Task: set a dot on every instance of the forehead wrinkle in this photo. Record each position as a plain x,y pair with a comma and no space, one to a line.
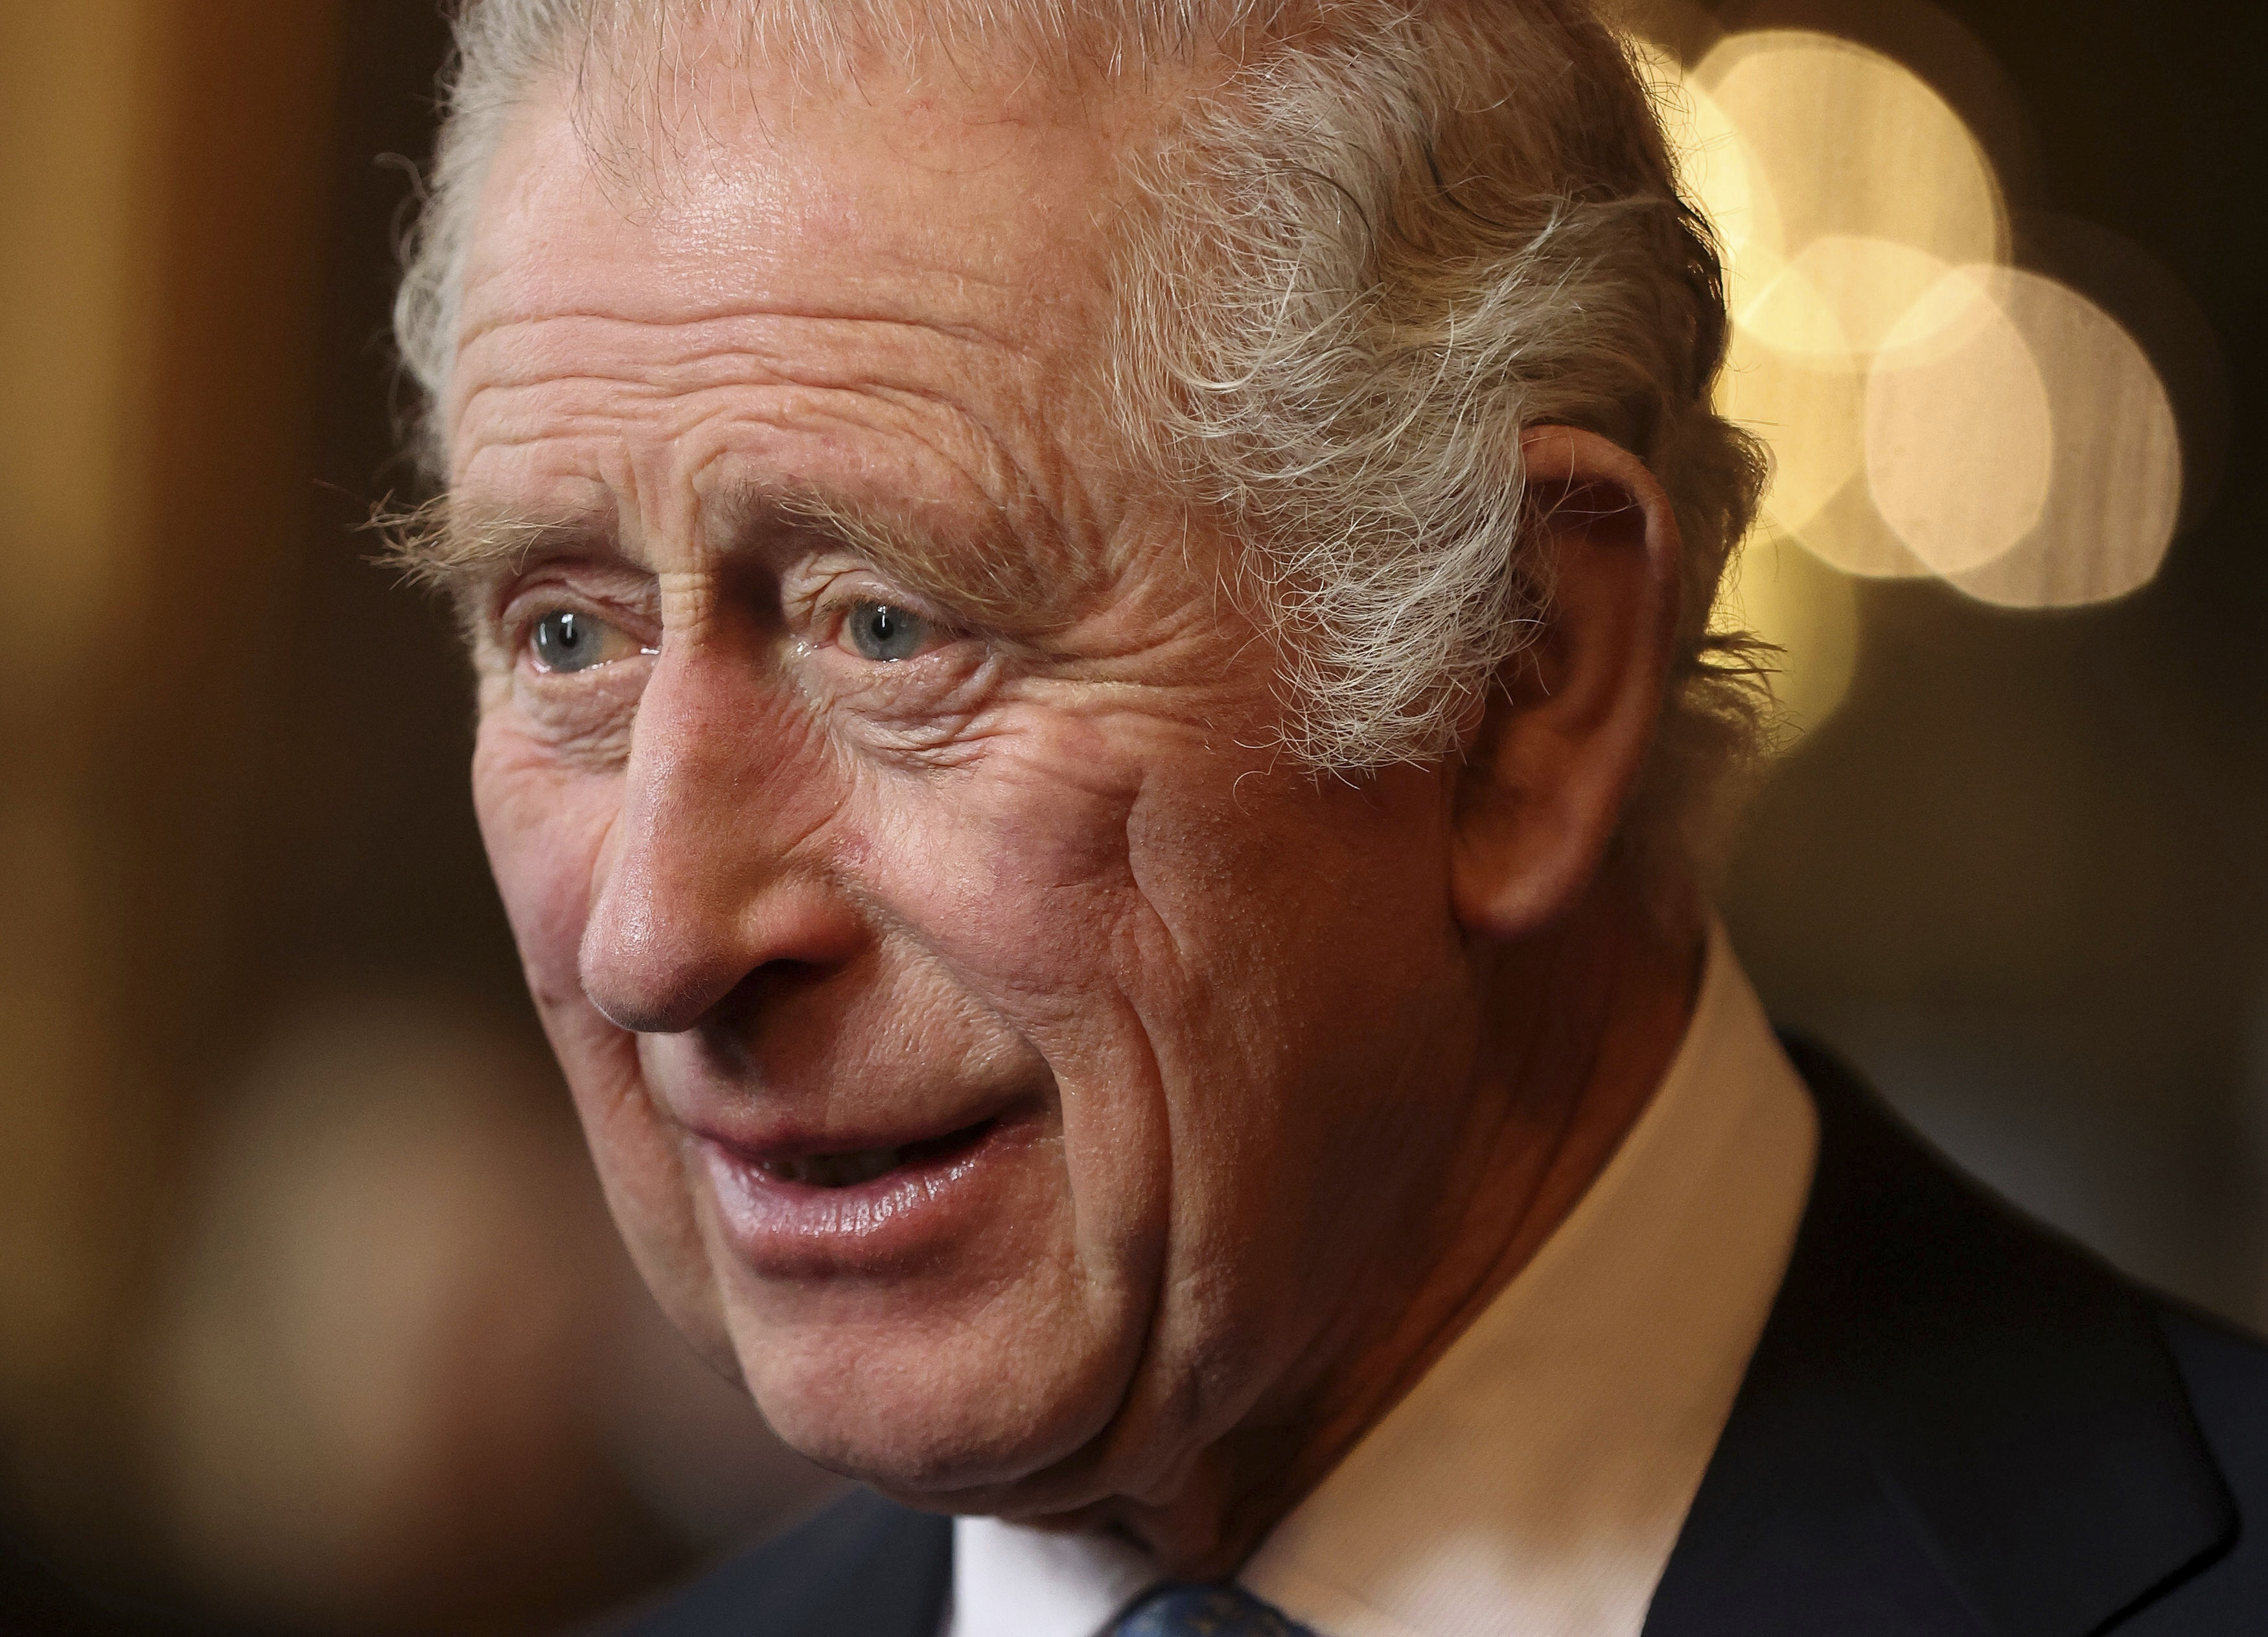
1015,543
780,349
730,325
1017,569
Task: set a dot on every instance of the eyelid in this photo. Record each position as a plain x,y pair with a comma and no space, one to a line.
835,618
625,645
529,606
819,596
522,602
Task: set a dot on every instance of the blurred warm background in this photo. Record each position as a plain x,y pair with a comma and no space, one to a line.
310,1318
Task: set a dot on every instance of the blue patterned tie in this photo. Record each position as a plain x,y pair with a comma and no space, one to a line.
1172,1610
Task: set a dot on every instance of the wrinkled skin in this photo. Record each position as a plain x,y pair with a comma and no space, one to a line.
1208,1055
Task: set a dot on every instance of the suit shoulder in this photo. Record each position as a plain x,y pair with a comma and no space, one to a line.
863,1567
2225,1370
1955,1403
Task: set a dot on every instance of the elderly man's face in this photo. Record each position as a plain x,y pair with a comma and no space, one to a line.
989,1048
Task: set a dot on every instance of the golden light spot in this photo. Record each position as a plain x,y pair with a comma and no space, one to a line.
1839,300
1854,144
1811,418
1790,598
2115,467
1716,165
1960,434
1850,534
1928,410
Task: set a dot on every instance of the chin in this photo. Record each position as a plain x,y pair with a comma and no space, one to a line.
936,1414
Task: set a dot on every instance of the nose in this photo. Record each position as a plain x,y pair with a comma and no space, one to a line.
714,871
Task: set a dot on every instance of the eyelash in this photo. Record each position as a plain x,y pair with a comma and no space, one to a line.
825,613
527,606
921,702
827,608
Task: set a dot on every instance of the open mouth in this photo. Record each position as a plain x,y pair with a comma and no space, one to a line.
852,1166
792,1208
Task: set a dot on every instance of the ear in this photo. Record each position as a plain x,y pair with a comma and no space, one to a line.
1565,730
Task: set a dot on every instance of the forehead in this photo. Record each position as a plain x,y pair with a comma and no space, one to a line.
883,177
750,210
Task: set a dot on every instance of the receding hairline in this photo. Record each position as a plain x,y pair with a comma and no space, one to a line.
646,62
979,42
1127,72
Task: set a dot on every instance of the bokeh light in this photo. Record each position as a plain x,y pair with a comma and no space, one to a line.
372,1376
408,1381
2116,457
1852,144
1931,408
1809,612
1960,430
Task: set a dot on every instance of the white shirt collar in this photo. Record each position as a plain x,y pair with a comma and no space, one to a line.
1533,1483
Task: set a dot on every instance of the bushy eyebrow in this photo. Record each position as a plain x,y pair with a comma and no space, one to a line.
447,546
987,570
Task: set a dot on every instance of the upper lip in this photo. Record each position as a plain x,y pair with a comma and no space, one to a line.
773,1141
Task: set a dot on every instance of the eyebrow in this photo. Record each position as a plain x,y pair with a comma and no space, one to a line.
445,545
984,568
993,573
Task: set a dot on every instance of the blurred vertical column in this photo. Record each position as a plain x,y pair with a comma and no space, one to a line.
162,164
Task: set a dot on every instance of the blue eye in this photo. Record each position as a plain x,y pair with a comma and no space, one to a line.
566,641
884,631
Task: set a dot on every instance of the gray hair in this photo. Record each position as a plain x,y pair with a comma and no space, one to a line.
1383,240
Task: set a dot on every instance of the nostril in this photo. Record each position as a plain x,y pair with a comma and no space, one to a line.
646,1002
641,1015
764,989
699,886
651,982
652,975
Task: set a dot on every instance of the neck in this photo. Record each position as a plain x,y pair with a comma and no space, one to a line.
1579,1027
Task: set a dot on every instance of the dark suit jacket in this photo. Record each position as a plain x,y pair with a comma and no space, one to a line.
1956,1425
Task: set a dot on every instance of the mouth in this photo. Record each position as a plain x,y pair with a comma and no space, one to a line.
795,1205
850,1168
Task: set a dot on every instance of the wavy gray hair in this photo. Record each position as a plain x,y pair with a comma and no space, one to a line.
1381,240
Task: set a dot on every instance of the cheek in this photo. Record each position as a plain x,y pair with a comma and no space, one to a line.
545,825
1202,971
1018,881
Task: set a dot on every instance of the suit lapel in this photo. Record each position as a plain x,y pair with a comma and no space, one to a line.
1953,1423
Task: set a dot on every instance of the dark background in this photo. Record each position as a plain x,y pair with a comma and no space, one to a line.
2021,877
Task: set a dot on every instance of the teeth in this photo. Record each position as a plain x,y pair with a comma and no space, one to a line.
836,1171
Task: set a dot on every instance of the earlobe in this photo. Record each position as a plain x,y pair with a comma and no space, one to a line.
1567,727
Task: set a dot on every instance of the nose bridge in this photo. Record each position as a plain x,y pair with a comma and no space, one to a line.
710,872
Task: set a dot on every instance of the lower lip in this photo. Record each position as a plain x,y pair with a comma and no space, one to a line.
787,1229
